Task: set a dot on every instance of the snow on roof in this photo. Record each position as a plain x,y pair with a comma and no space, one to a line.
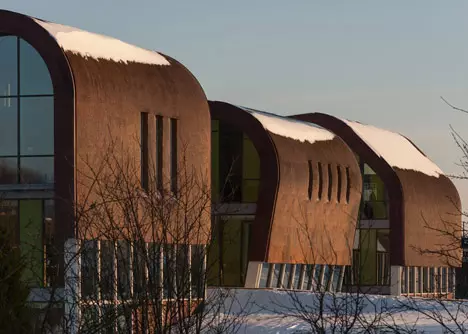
291,128
100,47
394,148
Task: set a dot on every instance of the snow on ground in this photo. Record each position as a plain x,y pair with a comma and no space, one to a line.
275,311
97,46
290,128
396,149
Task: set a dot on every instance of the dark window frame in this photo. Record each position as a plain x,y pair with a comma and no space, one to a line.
18,96
174,159
159,151
144,177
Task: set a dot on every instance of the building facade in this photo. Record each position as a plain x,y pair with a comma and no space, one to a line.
407,240
286,201
85,118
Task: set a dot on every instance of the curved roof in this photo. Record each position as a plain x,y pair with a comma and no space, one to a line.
424,211
397,150
305,197
97,46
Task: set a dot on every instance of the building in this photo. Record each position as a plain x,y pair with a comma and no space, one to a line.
407,241
73,105
286,201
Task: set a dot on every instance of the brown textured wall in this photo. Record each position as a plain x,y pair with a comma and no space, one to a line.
432,220
287,223
110,97
316,230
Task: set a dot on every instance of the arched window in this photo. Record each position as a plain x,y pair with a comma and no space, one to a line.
26,115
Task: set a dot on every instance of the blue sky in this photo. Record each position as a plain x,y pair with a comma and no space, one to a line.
380,62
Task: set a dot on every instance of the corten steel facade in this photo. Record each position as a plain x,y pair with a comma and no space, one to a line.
420,211
304,209
95,104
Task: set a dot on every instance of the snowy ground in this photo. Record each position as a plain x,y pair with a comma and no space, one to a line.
270,311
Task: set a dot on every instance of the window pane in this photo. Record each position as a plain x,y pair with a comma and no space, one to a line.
198,270
317,277
8,170
287,276
154,269
89,269
139,275
8,66
169,271
336,278
51,252
326,277
8,126
34,75
123,270
264,275
37,126
297,276
183,271
307,277
107,269
9,218
276,274
37,170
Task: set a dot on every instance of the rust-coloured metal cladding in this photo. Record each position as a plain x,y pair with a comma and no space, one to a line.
295,221
98,104
424,214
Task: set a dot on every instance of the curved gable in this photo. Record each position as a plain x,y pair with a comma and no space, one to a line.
299,206
424,203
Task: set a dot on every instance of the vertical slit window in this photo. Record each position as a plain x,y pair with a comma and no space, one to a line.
320,180
338,193
159,152
311,180
144,151
330,182
348,184
174,159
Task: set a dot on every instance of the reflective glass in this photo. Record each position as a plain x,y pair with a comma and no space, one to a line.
317,276
264,275
8,170
276,274
37,170
107,254
8,126
89,269
34,74
37,126
297,277
123,269
8,66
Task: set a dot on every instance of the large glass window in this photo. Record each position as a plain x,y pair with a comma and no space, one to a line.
26,115
8,65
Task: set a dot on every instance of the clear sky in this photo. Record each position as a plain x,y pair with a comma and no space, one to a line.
381,62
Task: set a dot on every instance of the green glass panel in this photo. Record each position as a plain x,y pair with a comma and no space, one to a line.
250,191
250,172
31,240
231,249
215,159
212,268
250,161
368,256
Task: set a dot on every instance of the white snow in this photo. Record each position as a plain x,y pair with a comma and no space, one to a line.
98,46
397,150
275,311
290,128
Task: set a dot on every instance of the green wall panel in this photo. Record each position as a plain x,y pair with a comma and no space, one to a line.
31,216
